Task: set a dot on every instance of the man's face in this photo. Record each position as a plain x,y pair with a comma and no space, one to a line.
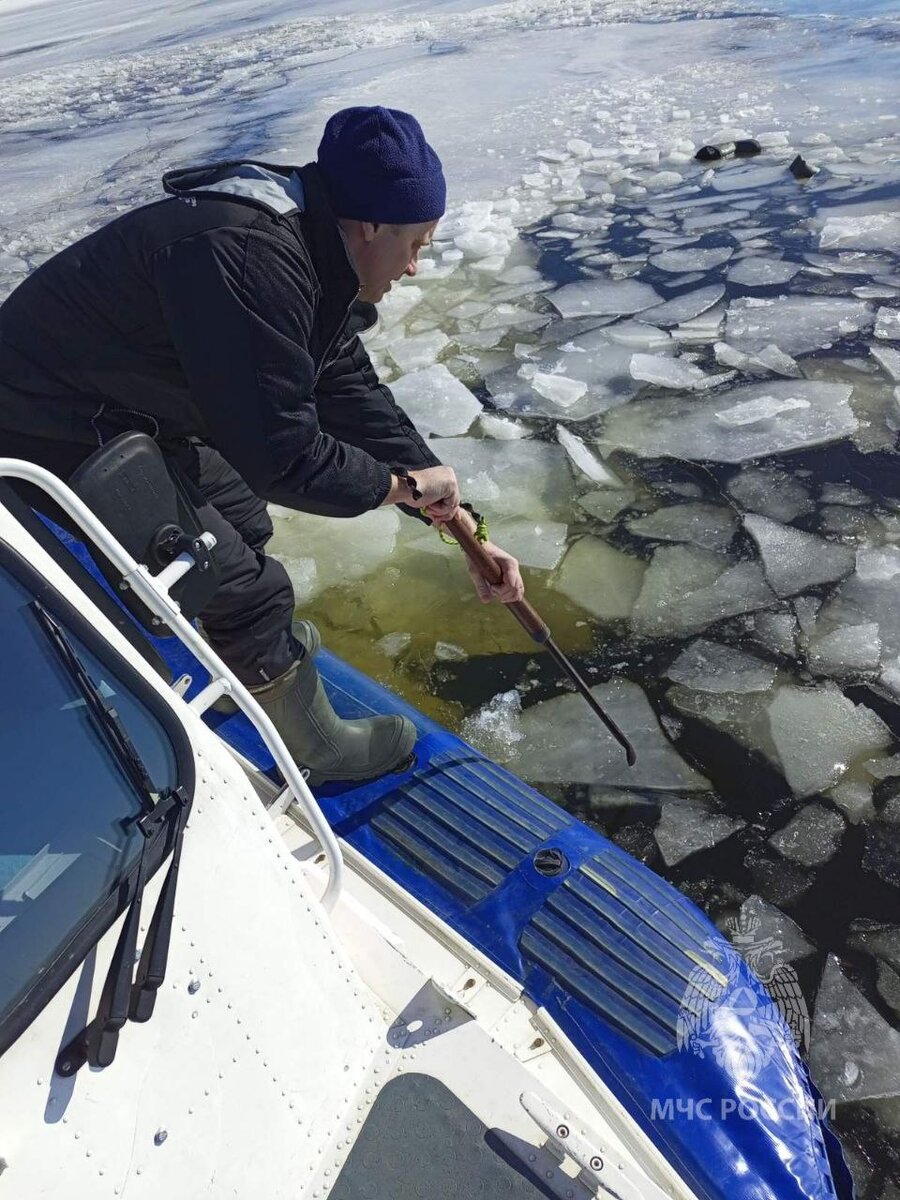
383,254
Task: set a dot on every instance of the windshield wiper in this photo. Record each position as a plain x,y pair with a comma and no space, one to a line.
104,715
122,997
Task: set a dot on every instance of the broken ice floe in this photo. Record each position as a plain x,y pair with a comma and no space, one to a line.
301,539
437,401
687,826
564,743
796,324
769,359
811,837
600,579
802,413
684,307
695,259
420,350
603,297
707,525
674,373
711,667
528,479
887,324
875,231
848,651
685,589
854,1054
585,460
781,936
762,272
819,734
772,492
794,561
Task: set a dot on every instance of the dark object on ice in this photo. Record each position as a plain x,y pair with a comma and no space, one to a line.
747,148
800,168
708,154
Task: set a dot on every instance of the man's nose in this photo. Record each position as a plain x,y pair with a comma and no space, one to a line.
411,268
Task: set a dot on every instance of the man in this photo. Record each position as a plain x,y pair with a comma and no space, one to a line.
224,322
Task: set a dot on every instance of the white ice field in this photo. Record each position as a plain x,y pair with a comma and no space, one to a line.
673,388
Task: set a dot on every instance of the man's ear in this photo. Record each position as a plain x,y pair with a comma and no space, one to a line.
369,229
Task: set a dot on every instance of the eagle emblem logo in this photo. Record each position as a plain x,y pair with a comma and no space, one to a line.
741,1029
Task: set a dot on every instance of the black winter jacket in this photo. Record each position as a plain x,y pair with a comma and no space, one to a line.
226,313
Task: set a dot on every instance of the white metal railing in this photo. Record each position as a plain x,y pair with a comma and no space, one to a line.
154,592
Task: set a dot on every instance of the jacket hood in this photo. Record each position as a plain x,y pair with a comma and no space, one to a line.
276,189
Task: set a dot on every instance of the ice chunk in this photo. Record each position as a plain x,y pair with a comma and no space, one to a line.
501,428
587,462
850,650
774,359
762,272
695,259
777,632
607,504
687,826
854,799
535,544
773,493
707,525
877,565
811,837
339,555
397,305
673,373
603,297
711,220
558,388
637,336
686,589
528,479
437,401
887,323
684,307
449,652
600,579
888,359
819,734
854,1054
563,742
876,231
795,561
761,409
591,358
421,350
877,939
769,925
393,644
796,324
711,667
686,427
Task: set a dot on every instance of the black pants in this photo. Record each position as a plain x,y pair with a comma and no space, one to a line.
248,621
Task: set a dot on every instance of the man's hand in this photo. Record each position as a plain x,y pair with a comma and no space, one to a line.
510,587
439,488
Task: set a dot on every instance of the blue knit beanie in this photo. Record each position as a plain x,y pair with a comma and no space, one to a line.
378,167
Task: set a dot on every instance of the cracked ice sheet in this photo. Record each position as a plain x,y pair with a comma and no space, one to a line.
564,742
854,1054
811,414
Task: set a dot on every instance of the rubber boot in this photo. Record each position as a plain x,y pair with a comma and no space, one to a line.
308,637
330,748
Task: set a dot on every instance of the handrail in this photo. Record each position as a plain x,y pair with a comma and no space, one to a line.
153,591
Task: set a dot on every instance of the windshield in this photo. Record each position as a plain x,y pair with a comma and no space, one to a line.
68,810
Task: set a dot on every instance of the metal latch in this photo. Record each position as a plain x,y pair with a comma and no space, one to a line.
602,1172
